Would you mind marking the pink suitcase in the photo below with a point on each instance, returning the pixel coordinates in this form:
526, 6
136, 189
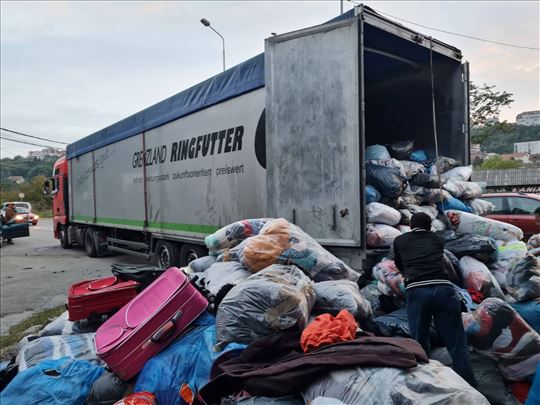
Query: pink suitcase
148, 323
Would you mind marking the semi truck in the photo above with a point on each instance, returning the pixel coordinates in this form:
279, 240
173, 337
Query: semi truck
282, 134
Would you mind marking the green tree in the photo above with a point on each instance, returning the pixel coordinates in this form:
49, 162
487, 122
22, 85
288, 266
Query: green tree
485, 105
497, 163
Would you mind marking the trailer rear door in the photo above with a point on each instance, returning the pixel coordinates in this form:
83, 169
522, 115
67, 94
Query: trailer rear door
313, 131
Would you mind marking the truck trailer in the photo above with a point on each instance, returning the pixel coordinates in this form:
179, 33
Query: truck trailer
282, 134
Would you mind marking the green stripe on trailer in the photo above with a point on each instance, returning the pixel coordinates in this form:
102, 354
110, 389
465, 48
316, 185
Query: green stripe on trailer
193, 228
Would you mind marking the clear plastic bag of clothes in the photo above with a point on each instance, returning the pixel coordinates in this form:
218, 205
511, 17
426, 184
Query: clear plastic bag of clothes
390, 277
454, 204
377, 152
425, 180
437, 225
393, 164
419, 156
388, 181
427, 209
462, 173
430, 383
443, 164
232, 234
465, 190
378, 213
480, 207
430, 195
505, 256
274, 299
62, 326
380, 235
473, 224
333, 296
280, 242
479, 247
496, 330
402, 149
478, 280
534, 242
176, 374
80, 347
64, 381
372, 293
201, 264
222, 273
412, 168
523, 279
372, 195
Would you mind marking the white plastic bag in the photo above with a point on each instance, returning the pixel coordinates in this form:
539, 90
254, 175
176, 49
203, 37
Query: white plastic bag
333, 296
380, 235
481, 207
476, 276
427, 209
463, 173
411, 168
471, 223
378, 213
437, 225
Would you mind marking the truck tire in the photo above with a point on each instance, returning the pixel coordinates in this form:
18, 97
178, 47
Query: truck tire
90, 243
62, 233
167, 254
188, 253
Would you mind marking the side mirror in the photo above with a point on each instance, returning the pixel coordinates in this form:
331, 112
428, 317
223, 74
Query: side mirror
46, 187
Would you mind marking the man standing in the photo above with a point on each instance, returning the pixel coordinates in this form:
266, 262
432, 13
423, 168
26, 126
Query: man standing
430, 294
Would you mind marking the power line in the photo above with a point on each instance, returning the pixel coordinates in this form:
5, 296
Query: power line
32, 136
24, 142
455, 33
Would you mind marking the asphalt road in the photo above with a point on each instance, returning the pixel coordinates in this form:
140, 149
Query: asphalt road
35, 273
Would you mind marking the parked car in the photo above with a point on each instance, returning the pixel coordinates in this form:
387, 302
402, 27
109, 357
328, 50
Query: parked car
516, 209
24, 209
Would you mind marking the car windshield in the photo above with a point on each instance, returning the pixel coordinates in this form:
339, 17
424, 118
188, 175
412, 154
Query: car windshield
22, 205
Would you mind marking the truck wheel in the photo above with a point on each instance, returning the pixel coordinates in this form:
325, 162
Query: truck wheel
188, 253
166, 254
62, 233
90, 243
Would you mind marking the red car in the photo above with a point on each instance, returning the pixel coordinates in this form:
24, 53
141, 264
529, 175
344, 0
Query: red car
516, 209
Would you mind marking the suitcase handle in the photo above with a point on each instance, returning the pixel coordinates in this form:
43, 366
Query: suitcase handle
166, 330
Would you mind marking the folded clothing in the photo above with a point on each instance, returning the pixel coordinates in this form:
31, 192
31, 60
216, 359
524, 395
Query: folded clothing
327, 329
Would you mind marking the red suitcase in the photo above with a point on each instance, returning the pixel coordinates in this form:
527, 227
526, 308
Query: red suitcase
149, 323
99, 296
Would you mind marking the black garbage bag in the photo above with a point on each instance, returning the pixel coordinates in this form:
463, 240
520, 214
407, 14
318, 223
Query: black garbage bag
425, 180
447, 235
451, 265
478, 247
107, 390
401, 150
388, 181
523, 279
142, 273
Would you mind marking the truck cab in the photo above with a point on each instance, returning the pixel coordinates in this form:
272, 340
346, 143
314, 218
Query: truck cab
59, 192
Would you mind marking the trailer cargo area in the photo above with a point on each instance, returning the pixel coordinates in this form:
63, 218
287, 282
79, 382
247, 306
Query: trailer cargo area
282, 134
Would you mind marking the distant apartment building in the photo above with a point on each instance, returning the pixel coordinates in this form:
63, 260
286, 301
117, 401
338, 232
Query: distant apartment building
528, 118
532, 147
42, 154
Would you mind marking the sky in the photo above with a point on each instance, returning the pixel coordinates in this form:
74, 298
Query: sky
69, 69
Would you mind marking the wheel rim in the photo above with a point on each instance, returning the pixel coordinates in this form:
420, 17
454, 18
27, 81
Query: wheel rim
164, 257
192, 255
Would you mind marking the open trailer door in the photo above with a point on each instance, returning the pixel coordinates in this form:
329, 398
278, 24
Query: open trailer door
314, 128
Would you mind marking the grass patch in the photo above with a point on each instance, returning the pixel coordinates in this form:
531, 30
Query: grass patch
15, 332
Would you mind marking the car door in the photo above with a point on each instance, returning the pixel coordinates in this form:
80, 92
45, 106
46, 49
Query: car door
521, 213
500, 212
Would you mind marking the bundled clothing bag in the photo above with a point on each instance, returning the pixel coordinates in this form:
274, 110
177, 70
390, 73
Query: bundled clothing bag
478, 280
280, 242
382, 214
390, 280
478, 247
430, 383
387, 180
381, 235
231, 235
497, 331
506, 255
523, 279
222, 273
336, 295
272, 300
481, 226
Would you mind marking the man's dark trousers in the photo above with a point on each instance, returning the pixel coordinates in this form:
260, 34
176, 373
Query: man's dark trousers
441, 303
